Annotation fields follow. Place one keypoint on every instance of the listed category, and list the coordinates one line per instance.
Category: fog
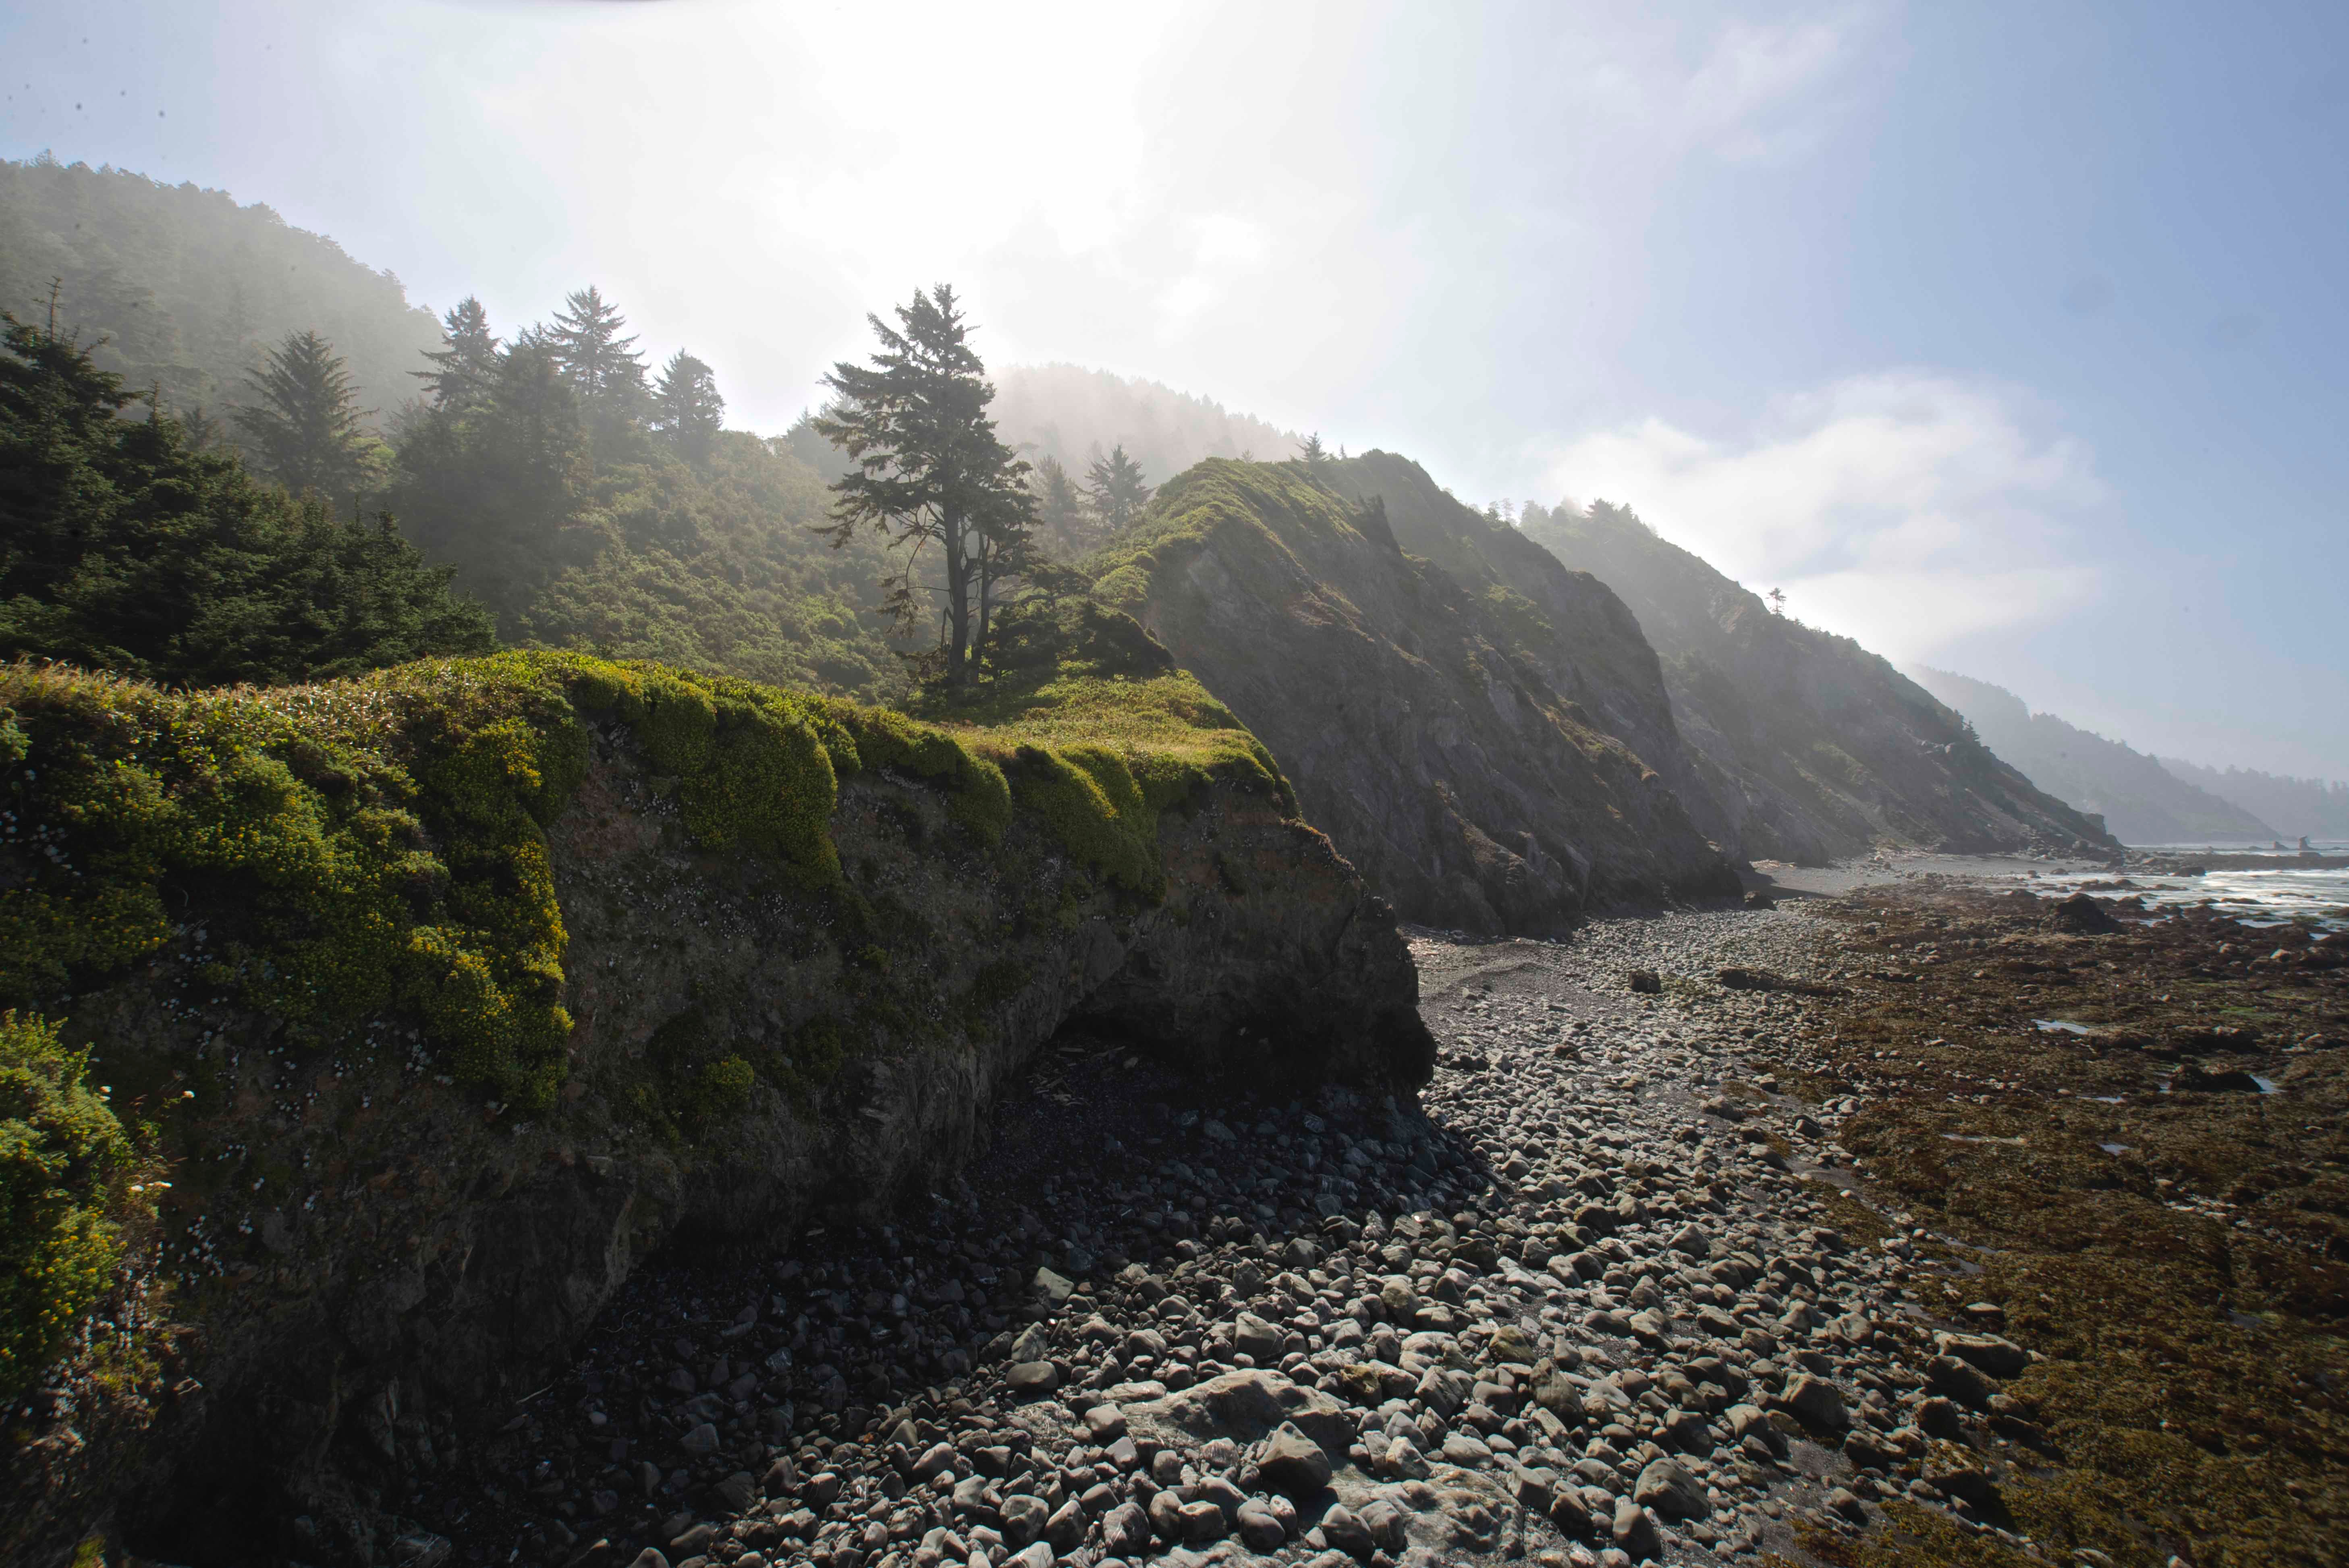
(1999, 339)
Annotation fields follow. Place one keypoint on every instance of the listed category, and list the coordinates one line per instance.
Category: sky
(2004, 337)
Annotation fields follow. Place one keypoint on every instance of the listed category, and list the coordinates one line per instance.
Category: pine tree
(687, 408)
(1114, 486)
(305, 430)
(1315, 454)
(930, 470)
(601, 364)
(1063, 516)
(466, 363)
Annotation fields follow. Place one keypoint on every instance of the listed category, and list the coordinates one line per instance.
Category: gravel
(1584, 1303)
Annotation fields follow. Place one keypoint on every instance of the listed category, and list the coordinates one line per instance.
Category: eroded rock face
(1809, 746)
(425, 1249)
(1423, 724)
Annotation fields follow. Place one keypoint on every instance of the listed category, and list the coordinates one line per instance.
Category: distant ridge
(2141, 801)
(2316, 807)
(187, 286)
(1812, 748)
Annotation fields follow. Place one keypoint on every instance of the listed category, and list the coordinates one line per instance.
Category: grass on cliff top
(1099, 733)
(378, 845)
(2172, 1241)
(1267, 498)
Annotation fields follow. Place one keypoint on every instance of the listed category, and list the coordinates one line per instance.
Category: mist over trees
(1074, 416)
(1114, 487)
(2313, 807)
(187, 288)
(125, 547)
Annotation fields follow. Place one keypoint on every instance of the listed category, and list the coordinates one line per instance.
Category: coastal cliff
(442, 999)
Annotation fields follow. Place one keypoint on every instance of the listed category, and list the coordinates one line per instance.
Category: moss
(1097, 732)
(63, 1155)
(378, 845)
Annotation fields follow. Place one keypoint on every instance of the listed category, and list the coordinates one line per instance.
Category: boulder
(1246, 1406)
(1814, 1402)
(1292, 1463)
(1666, 1486)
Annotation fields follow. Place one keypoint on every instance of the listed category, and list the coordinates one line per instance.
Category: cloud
(1744, 91)
(1905, 509)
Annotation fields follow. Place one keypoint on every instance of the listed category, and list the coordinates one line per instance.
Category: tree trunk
(957, 598)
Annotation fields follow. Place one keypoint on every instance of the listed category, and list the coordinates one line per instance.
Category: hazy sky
(2011, 337)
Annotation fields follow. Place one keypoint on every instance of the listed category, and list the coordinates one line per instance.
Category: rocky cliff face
(661, 957)
(1810, 746)
(1572, 626)
(1439, 732)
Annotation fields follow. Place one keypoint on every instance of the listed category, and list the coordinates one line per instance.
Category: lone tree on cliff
(930, 469)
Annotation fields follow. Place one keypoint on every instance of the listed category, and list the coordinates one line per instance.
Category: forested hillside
(1813, 747)
(2140, 801)
(586, 497)
(189, 289)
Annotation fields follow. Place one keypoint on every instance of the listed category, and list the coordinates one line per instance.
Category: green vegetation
(188, 287)
(64, 1201)
(589, 512)
(1099, 733)
(1193, 504)
(926, 469)
(378, 845)
(302, 424)
(2179, 1256)
(124, 547)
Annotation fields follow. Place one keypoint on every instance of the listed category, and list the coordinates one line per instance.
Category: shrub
(61, 1151)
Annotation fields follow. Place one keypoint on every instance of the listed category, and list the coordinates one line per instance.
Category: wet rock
(2083, 917)
(1126, 1531)
(1032, 1378)
(1345, 1531)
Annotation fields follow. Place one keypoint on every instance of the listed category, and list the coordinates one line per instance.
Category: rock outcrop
(656, 956)
(1810, 746)
(1424, 724)
(1572, 626)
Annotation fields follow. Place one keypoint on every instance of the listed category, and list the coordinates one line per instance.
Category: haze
(2003, 338)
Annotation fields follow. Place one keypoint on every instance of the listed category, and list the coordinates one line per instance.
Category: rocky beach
(1613, 1291)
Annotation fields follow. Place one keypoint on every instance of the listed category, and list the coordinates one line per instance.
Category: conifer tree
(123, 547)
(588, 347)
(1114, 486)
(1063, 514)
(304, 429)
(466, 364)
(930, 470)
(1315, 454)
(687, 408)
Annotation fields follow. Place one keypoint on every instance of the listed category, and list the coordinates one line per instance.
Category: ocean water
(2286, 892)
